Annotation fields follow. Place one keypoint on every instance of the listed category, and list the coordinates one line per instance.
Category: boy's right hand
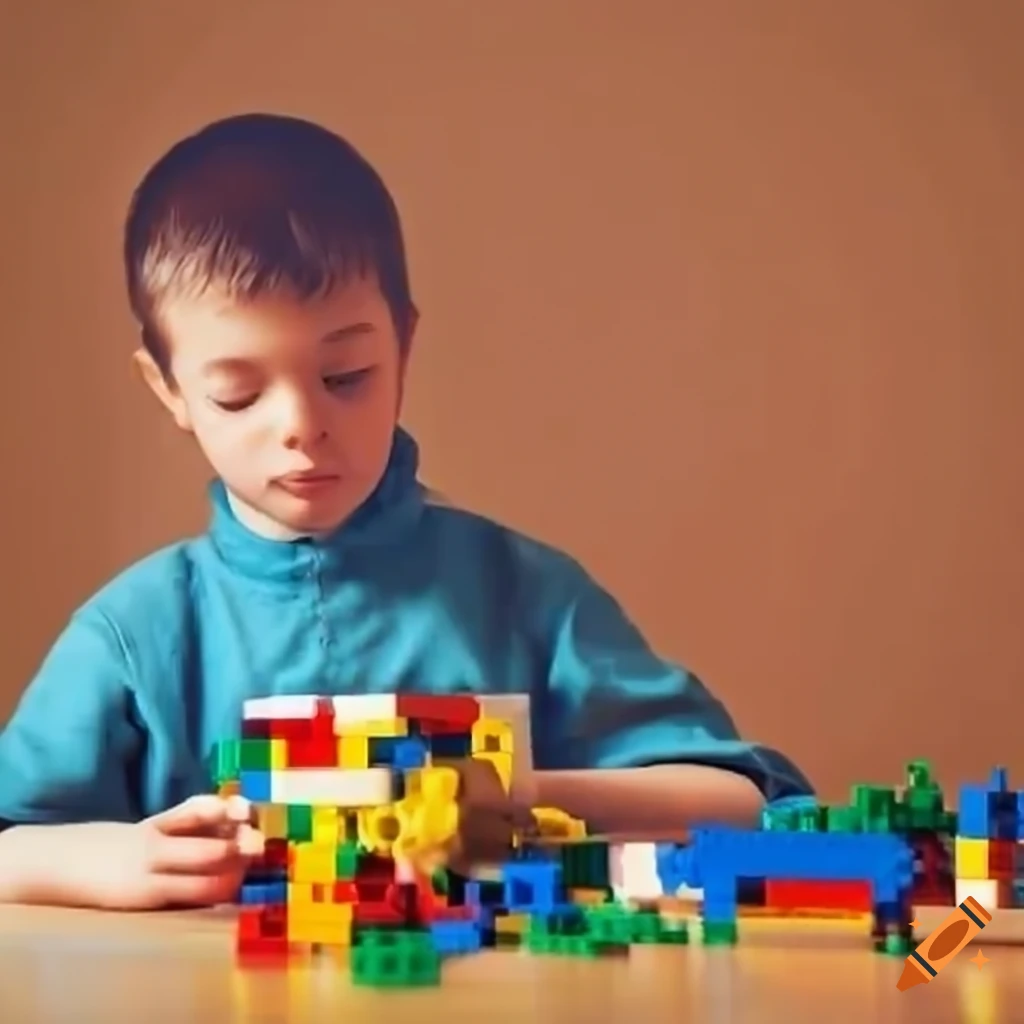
(194, 854)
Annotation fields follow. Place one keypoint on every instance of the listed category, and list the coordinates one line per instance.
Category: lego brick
(970, 857)
(310, 752)
(440, 713)
(366, 787)
(353, 710)
(353, 751)
(849, 894)
(265, 708)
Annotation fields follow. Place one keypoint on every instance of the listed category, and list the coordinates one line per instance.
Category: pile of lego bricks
(364, 803)
(881, 856)
(366, 806)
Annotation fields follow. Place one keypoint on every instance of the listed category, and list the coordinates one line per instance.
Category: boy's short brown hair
(255, 203)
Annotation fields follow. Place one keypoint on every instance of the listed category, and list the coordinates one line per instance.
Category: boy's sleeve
(65, 752)
(621, 706)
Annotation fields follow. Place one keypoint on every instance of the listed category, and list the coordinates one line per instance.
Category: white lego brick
(287, 706)
(984, 890)
(514, 708)
(350, 709)
(634, 871)
(633, 868)
(335, 787)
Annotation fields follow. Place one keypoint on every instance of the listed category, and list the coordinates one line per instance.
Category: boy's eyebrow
(229, 364)
(348, 331)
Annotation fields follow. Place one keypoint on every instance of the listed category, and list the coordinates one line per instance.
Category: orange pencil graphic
(944, 943)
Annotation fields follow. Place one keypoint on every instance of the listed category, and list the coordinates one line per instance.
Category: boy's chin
(305, 517)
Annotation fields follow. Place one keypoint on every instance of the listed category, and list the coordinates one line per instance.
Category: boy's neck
(259, 522)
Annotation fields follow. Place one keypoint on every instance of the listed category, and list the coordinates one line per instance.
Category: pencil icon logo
(944, 943)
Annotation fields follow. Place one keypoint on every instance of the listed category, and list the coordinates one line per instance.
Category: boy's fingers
(197, 890)
(193, 855)
(201, 814)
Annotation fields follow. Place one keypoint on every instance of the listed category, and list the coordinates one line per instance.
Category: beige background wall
(724, 297)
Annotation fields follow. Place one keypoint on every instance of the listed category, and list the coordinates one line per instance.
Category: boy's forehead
(216, 324)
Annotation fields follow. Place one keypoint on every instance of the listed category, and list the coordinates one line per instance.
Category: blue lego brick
(412, 752)
(973, 812)
(1020, 814)
(532, 886)
(255, 786)
(1017, 894)
(400, 752)
(673, 866)
(484, 893)
(716, 858)
(451, 745)
(264, 893)
(456, 938)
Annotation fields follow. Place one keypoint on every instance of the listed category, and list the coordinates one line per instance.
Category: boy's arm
(642, 745)
(64, 756)
(65, 752)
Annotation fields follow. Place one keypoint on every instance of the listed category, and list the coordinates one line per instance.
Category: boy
(266, 268)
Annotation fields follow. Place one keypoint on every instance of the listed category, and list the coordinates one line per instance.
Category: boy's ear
(168, 394)
(407, 343)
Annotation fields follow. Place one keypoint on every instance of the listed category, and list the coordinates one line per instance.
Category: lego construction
(391, 844)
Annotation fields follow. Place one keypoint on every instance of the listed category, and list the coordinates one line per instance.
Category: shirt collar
(391, 510)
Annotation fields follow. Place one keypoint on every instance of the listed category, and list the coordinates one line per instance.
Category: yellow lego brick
(300, 892)
(510, 924)
(327, 823)
(491, 736)
(378, 728)
(380, 827)
(971, 858)
(314, 863)
(272, 820)
(436, 784)
(588, 897)
(328, 924)
(502, 763)
(278, 754)
(354, 751)
(553, 823)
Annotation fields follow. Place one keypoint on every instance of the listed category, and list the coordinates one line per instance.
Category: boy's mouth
(307, 482)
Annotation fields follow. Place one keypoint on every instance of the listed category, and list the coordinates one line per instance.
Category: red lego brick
(436, 714)
(819, 895)
(344, 892)
(314, 752)
(377, 912)
(274, 856)
(1001, 857)
(291, 729)
(371, 868)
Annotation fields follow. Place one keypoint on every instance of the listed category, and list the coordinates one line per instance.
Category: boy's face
(294, 403)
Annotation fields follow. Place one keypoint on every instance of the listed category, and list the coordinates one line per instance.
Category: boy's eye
(347, 381)
(234, 404)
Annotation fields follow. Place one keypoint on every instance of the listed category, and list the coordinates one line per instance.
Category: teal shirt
(408, 595)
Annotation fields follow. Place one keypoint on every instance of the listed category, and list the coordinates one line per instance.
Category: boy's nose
(303, 427)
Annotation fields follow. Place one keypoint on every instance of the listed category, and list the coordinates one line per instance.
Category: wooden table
(82, 967)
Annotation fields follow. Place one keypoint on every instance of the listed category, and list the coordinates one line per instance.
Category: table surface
(82, 966)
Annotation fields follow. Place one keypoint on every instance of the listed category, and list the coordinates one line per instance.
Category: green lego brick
(895, 944)
(616, 924)
(223, 763)
(585, 865)
(347, 860)
(394, 958)
(254, 755)
(843, 819)
(720, 933)
(562, 934)
(300, 823)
